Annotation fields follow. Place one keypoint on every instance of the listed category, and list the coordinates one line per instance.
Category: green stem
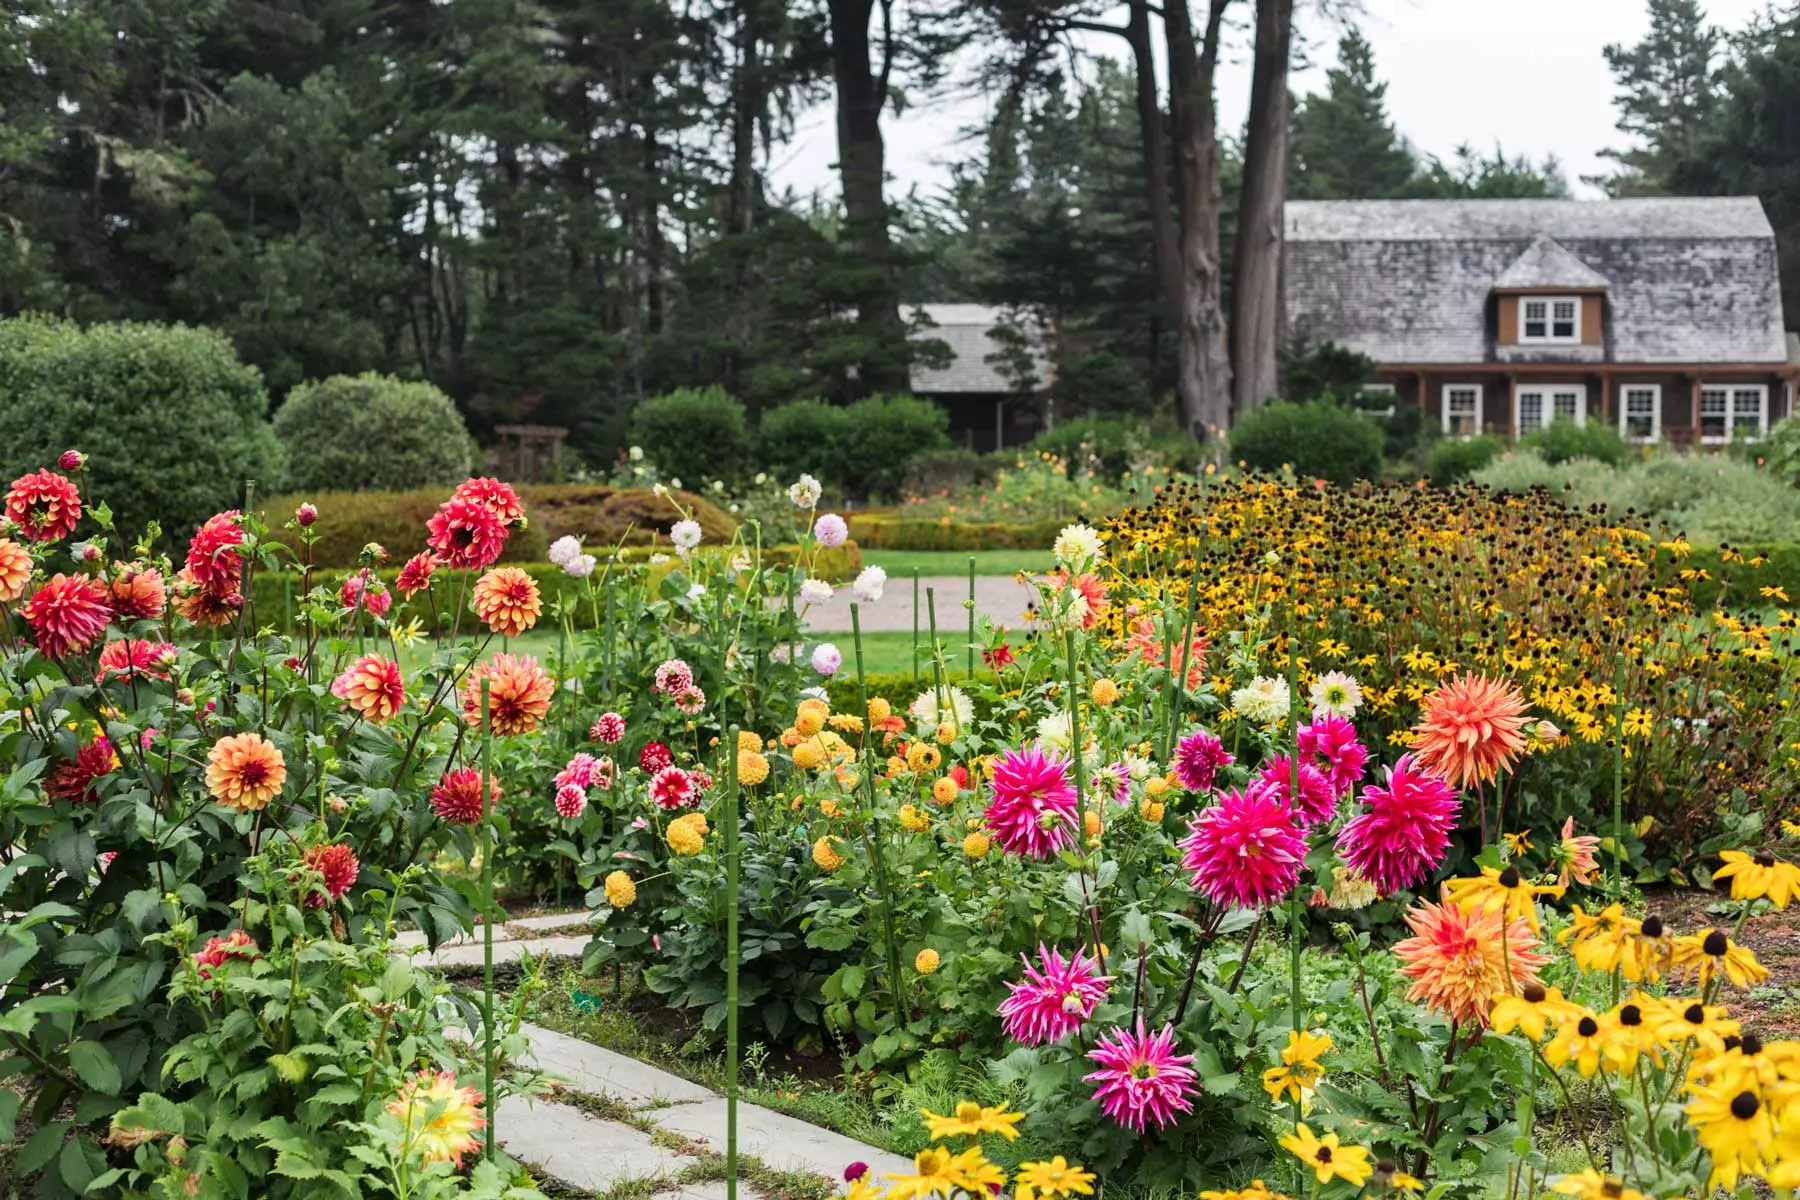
(731, 967)
(873, 835)
(487, 919)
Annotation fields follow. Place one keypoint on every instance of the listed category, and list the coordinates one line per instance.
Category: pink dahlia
(1115, 780)
(579, 772)
(607, 728)
(674, 677)
(1404, 829)
(1332, 740)
(214, 561)
(654, 757)
(494, 495)
(1198, 758)
(1053, 998)
(672, 788)
(66, 615)
(571, 801)
(1033, 807)
(1141, 1078)
(128, 657)
(364, 591)
(1245, 851)
(465, 534)
(1318, 802)
(691, 700)
(337, 868)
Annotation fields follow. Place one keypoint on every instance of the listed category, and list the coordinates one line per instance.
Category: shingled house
(1661, 317)
(987, 409)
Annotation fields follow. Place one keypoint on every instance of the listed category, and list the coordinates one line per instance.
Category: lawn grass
(900, 564)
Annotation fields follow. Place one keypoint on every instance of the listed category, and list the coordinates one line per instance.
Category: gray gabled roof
(1545, 264)
(965, 328)
(1688, 280)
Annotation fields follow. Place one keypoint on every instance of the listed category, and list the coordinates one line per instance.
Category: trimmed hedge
(885, 532)
(602, 516)
(356, 432)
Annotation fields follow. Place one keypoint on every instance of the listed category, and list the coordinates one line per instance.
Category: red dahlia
(458, 796)
(75, 780)
(338, 866)
(67, 614)
(44, 505)
(415, 576)
(654, 757)
(213, 559)
(466, 534)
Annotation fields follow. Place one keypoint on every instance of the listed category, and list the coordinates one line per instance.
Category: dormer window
(1549, 319)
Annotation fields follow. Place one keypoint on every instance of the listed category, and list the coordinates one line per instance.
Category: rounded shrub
(805, 435)
(1108, 444)
(1455, 459)
(1321, 441)
(882, 437)
(695, 435)
(1565, 440)
(172, 423)
(362, 432)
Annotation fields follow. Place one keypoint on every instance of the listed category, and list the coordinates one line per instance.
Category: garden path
(1003, 599)
(625, 1127)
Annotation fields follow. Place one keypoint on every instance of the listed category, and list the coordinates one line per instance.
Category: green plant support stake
(915, 627)
(1619, 779)
(1296, 908)
(867, 781)
(287, 601)
(971, 616)
(607, 621)
(487, 916)
(939, 693)
(731, 967)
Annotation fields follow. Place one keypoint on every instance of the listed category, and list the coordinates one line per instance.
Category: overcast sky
(1528, 73)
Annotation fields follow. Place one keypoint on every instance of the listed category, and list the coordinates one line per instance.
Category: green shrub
(888, 532)
(171, 421)
(362, 432)
(695, 435)
(1322, 441)
(883, 435)
(1780, 452)
(1455, 459)
(805, 436)
(1565, 440)
(938, 471)
(1109, 445)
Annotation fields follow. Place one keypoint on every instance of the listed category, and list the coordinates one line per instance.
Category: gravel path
(1003, 599)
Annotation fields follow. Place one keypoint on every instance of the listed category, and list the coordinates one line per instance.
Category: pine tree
(1668, 90)
(1344, 146)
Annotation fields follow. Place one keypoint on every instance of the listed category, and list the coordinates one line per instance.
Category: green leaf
(95, 1067)
(852, 979)
(9, 1115)
(42, 1147)
(80, 1163)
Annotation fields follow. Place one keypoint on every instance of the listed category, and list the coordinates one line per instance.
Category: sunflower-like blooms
(15, 570)
(1712, 954)
(1300, 1069)
(1245, 851)
(465, 534)
(459, 796)
(1759, 876)
(214, 562)
(1735, 1121)
(1471, 730)
(1404, 829)
(44, 505)
(506, 599)
(245, 772)
(1329, 1158)
(415, 575)
(494, 495)
(1502, 890)
(372, 686)
(67, 615)
(1053, 998)
(1332, 740)
(1032, 807)
(441, 1119)
(337, 867)
(138, 593)
(1457, 961)
(1318, 799)
(1142, 1080)
(75, 779)
(1533, 1010)
(1198, 757)
(518, 692)
(672, 788)
(128, 657)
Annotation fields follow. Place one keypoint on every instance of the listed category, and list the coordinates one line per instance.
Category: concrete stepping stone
(784, 1142)
(508, 931)
(602, 1072)
(472, 954)
(577, 1149)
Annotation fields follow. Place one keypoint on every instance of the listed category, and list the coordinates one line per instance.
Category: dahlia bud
(373, 554)
(306, 514)
(89, 554)
(339, 804)
(1071, 1003)
(72, 460)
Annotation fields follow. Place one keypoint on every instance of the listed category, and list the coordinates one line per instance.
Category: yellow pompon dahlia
(1504, 891)
(1759, 876)
(809, 755)
(506, 598)
(823, 854)
(1105, 693)
(944, 790)
(752, 768)
(245, 772)
(810, 717)
(518, 690)
(441, 1119)
(923, 756)
(976, 845)
(1710, 953)
(1472, 729)
(1532, 1011)
(749, 740)
(685, 836)
(15, 570)
(970, 1119)
(621, 892)
(1056, 1179)
(926, 961)
(1590, 1184)
(1457, 962)
(913, 820)
(1733, 1121)
(1328, 1158)
(372, 686)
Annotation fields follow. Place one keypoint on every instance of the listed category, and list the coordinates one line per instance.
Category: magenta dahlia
(1245, 851)
(1198, 758)
(1331, 739)
(1032, 811)
(1053, 998)
(1318, 802)
(579, 772)
(1142, 1080)
(1404, 829)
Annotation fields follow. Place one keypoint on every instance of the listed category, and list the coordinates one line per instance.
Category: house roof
(1545, 264)
(1688, 280)
(965, 328)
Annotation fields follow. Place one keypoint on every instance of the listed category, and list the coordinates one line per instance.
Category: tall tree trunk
(1203, 372)
(656, 265)
(1256, 280)
(1163, 239)
(861, 91)
(747, 102)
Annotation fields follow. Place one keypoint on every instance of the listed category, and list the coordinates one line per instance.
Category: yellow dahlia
(245, 772)
(828, 859)
(926, 961)
(752, 768)
(441, 1119)
(620, 890)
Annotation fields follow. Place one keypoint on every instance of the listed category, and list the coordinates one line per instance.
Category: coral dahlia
(337, 866)
(494, 495)
(219, 950)
(441, 1119)
(1472, 729)
(1198, 758)
(372, 686)
(244, 772)
(1331, 739)
(459, 796)
(465, 534)
(506, 598)
(202, 607)
(1032, 809)
(415, 575)
(1142, 1080)
(1053, 998)
(1404, 829)
(214, 562)
(1245, 851)
(137, 593)
(44, 505)
(518, 690)
(129, 657)
(1458, 964)
(15, 570)
(68, 614)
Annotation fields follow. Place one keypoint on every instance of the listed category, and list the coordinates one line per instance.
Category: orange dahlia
(1457, 962)
(44, 505)
(194, 603)
(138, 593)
(371, 685)
(15, 570)
(507, 599)
(441, 1119)
(67, 614)
(245, 772)
(461, 796)
(518, 690)
(136, 656)
(1472, 729)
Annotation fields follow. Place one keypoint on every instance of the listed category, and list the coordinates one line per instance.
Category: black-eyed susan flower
(1505, 890)
(1582, 1041)
(1054, 1179)
(1590, 1184)
(1735, 1125)
(1759, 876)
(1533, 1010)
(970, 1119)
(1705, 1025)
(1327, 1157)
(1597, 940)
(1299, 1070)
(1710, 954)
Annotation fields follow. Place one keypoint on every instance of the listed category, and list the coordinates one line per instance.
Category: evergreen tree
(1668, 89)
(1472, 175)
(1344, 146)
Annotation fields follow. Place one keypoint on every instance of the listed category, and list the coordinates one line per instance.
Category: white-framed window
(1640, 412)
(1732, 411)
(1549, 319)
(1381, 389)
(1536, 405)
(1462, 409)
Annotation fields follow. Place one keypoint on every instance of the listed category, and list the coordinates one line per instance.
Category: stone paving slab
(604, 1072)
(471, 955)
(711, 1189)
(781, 1141)
(579, 1150)
(509, 931)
